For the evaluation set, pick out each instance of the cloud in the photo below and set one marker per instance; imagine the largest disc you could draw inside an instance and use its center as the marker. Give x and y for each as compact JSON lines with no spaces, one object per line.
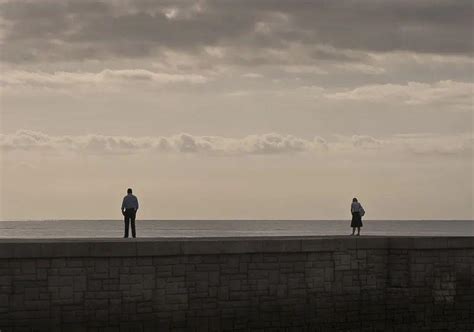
{"x":78,"y":30}
{"x":252,"y":75}
{"x":265,"y":144}
{"x":451,"y":93}
{"x":459,"y":145}
{"x":366,"y":141}
{"x":27,"y":140}
{"x":61,"y":78}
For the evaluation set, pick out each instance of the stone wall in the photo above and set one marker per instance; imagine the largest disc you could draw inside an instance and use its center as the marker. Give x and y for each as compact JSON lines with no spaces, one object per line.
{"x":257,"y":284}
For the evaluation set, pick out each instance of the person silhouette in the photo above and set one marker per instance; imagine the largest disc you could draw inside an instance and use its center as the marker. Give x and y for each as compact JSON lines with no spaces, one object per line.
{"x":357,"y":212}
{"x":129,"y":211}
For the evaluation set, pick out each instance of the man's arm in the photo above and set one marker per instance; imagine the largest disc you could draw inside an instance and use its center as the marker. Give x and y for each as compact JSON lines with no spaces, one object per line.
{"x":137,"y":203}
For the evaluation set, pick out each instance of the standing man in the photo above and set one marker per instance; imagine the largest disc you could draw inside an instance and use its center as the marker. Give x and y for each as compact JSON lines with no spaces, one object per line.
{"x":129,"y":211}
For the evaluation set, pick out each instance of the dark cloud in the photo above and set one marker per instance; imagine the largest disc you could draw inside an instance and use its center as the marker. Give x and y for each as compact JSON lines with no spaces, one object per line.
{"x":77,"y":30}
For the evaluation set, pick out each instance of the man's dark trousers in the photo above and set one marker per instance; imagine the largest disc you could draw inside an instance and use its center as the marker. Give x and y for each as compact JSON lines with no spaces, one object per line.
{"x":129,"y":217}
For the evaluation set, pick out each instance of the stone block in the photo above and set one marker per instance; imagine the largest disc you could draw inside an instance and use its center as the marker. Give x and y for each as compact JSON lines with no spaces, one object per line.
{"x":281,"y":245}
{"x":234,"y":285}
{"x":466,"y":242}
{"x":64,"y":249}
{"x":28,"y":267}
{"x":66,"y":292}
{"x":58,"y":263}
{"x":94,"y":285}
{"x":111,"y":249}
{"x":372,"y":243}
{"x":328,"y":244}
{"x":176,"y":299}
{"x":220,"y":247}
{"x":43,"y":263}
{"x":329,"y":274}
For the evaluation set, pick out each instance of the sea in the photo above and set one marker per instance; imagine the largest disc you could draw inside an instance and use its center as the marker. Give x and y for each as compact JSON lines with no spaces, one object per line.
{"x":33,"y":229}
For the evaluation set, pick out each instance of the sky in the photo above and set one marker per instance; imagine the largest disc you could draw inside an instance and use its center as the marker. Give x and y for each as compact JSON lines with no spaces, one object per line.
{"x":240,"y":109}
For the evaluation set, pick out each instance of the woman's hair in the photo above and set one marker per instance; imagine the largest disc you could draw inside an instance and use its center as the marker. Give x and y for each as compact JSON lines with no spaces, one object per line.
{"x":354,"y":199}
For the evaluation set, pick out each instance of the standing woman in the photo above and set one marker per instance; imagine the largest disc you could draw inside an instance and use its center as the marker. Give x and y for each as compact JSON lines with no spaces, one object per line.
{"x":357,"y":212}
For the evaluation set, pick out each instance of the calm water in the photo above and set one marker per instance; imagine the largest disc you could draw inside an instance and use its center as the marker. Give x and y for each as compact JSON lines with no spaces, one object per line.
{"x":223,"y":228}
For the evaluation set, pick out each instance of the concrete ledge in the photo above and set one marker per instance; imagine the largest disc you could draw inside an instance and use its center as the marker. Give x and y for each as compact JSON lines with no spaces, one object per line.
{"x":27,"y":248}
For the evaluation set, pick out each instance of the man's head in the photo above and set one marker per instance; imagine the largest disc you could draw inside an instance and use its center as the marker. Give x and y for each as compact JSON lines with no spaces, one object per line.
{"x":129,"y":191}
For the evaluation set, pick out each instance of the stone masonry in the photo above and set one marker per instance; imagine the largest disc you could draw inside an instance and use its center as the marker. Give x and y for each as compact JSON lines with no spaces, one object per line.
{"x":238,"y":284}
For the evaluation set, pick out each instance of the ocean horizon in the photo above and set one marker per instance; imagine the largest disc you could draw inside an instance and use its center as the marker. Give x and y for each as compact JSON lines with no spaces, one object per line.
{"x":195,"y":228}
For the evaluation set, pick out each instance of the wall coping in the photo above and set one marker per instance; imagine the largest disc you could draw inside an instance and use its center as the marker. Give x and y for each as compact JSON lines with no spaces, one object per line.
{"x":106,"y":247}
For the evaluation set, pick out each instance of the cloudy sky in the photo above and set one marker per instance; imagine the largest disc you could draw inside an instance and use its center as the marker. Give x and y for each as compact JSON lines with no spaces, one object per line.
{"x":236,"y":109}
